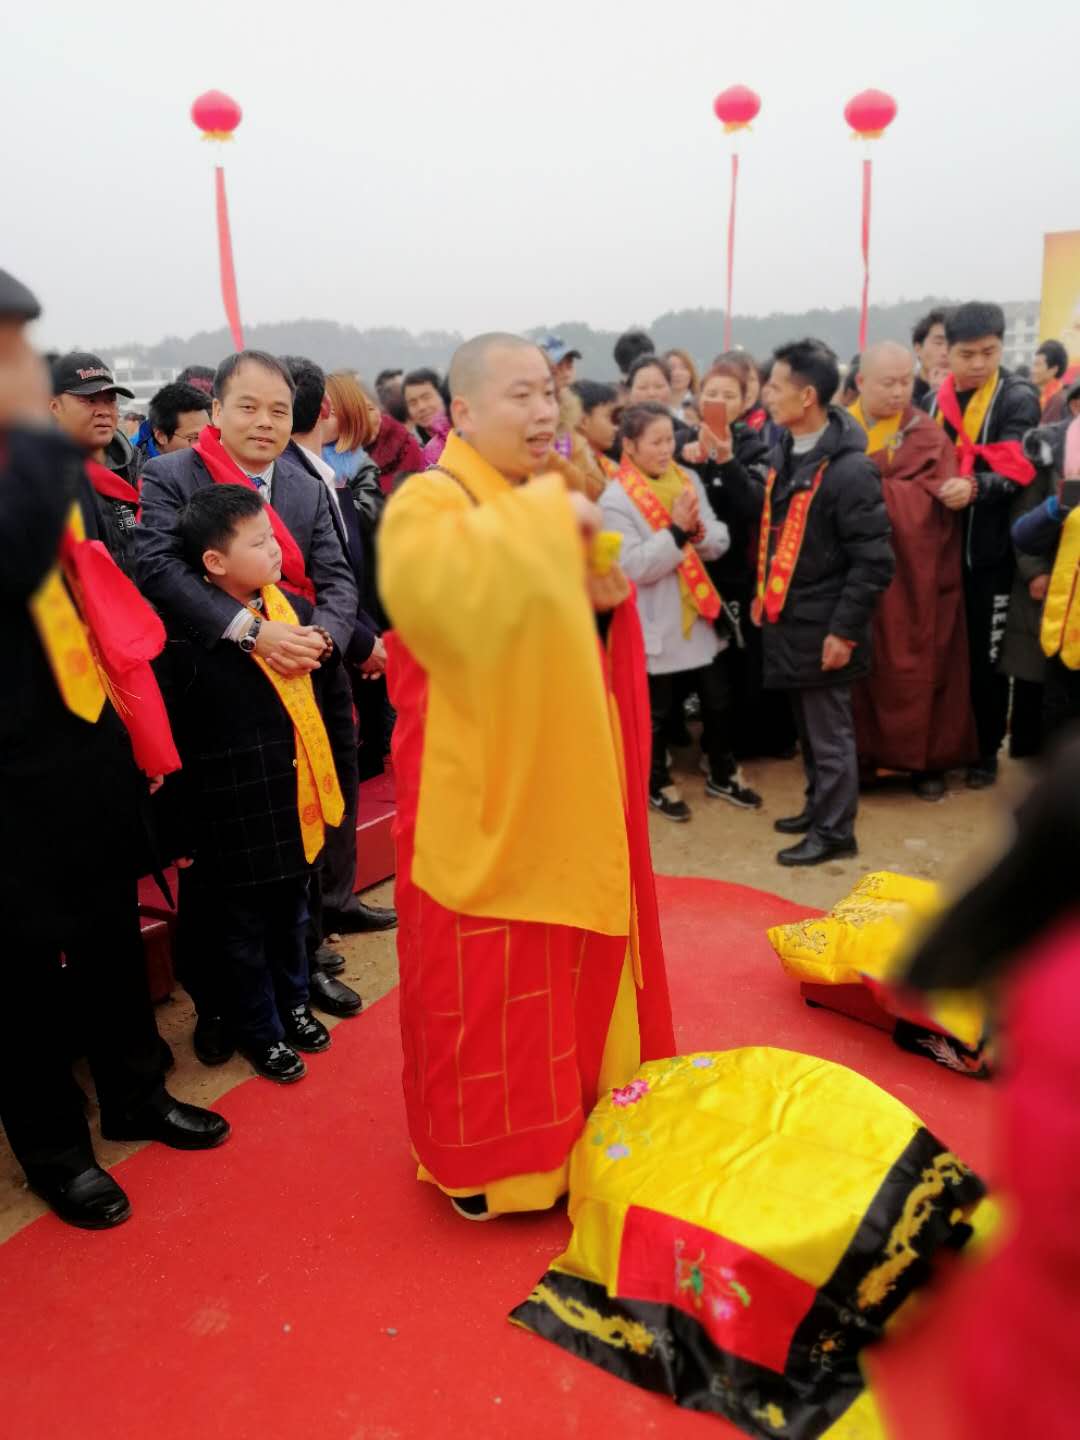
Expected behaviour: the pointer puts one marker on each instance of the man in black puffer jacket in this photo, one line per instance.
(826, 559)
(997, 410)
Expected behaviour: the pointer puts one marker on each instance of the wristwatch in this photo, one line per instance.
(248, 642)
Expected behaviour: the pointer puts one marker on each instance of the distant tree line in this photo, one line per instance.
(336, 346)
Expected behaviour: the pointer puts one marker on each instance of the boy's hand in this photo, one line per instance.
(289, 649)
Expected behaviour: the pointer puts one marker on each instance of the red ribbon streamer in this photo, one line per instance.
(228, 273)
(731, 248)
(864, 318)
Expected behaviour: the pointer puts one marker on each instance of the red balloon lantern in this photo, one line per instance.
(736, 107)
(870, 113)
(216, 115)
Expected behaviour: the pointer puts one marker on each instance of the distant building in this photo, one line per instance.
(1021, 332)
(144, 380)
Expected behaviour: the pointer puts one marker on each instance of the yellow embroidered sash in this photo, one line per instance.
(882, 434)
(773, 584)
(699, 595)
(1061, 614)
(65, 640)
(318, 794)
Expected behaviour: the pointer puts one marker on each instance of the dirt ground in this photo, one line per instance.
(947, 842)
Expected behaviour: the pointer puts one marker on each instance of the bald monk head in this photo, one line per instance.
(503, 402)
(886, 380)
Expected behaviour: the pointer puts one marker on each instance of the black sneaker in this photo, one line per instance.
(304, 1032)
(471, 1207)
(278, 1062)
(670, 803)
(734, 792)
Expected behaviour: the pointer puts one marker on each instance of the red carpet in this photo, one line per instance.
(299, 1283)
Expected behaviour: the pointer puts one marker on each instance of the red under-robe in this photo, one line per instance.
(504, 1023)
(914, 710)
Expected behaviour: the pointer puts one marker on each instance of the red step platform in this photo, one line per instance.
(854, 1001)
(374, 864)
(375, 831)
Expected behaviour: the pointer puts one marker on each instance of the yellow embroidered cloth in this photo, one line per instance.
(65, 640)
(520, 811)
(744, 1223)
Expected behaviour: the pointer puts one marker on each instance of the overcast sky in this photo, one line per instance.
(488, 163)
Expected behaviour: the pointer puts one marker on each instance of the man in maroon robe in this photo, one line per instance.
(913, 712)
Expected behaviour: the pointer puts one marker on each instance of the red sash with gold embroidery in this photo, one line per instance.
(700, 590)
(774, 583)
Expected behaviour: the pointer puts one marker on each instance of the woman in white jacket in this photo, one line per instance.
(668, 530)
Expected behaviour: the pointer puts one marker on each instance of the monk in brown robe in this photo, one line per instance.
(913, 712)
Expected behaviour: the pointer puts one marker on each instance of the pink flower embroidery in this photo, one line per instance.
(630, 1094)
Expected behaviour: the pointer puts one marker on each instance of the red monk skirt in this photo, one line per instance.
(503, 1023)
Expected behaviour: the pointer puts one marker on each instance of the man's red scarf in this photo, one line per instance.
(1005, 457)
(225, 471)
(110, 485)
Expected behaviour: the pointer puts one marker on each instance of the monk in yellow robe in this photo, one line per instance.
(532, 975)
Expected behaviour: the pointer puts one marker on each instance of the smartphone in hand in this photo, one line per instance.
(1069, 498)
(714, 416)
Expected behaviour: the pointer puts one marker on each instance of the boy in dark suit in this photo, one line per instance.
(260, 783)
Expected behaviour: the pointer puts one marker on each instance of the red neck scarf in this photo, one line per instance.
(1006, 457)
(225, 471)
(110, 485)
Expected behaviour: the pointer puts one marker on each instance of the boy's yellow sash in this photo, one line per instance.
(318, 795)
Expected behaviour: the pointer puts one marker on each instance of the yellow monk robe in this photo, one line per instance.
(490, 599)
(519, 1001)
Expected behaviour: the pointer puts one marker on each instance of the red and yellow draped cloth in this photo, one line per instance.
(318, 794)
(99, 636)
(1004, 457)
(774, 582)
(699, 595)
(507, 1025)
(224, 470)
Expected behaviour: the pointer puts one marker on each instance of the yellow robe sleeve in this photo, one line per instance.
(521, 814)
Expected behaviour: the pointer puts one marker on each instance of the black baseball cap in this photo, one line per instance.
(16, 301)
(80, 373)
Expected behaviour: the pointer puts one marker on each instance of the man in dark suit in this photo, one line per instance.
(252, 424)
(72, 840)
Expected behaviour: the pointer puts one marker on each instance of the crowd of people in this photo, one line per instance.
(202, 603)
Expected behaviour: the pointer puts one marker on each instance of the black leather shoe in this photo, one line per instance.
(358, 918)
(91, 1200)
(304, 1032)
(815, 851)
(328, 961)
(332, 997)
(929, 785)
(794, 824)
(213, 1043)
(180, 1126)
(278, 1062)
(982, 775)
